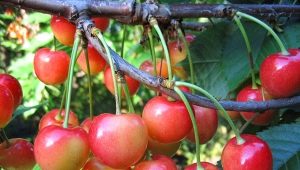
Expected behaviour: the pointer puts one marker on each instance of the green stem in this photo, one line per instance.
(5, 138)
(194, 123)
(70, 76)
(192, 74)
(240, 140)
(151, 43)
(123, 40)
(277, 39)
(62, 103)
(249, 50)
(128, 98)
(154, 23)
(98, 33)
(54, 42)
(248, 122)
(89, 82)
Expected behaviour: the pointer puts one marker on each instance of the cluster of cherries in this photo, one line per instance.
(122, 141)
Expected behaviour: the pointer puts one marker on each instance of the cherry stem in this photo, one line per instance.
(249, 50)
(154, 23)
(127, 96)
(194, 123)
(248, 122)
(240, 140)
(70, 76)
(5, 138)
(54, 43)
(63, 100)
(275, 36)
(123, 40)
(152, 51)
(182, 37)
(89, 81)
(98, 33)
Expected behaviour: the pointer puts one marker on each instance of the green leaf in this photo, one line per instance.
(220, 56)
(22, 109)
(284, 142)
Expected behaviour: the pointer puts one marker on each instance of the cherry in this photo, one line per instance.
(101, 22)
(133, 85)
(6, 105)
(250, 94)
(177, 51)
(86, 124)
(161, 67)
(94, 164)
(159, 162)
(234, 115)
(56, 147)
(278, 74)
(112, 146)
(207, 123)
(254, 153)
(14, 86)
(168, 149)
(51, 67)
(52, 118)
(65, 35)
(205, 165)
(96, 61)
(18, 155)
(167, 121)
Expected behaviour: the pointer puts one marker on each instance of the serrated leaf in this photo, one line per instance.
(221, 56)
(284, 142)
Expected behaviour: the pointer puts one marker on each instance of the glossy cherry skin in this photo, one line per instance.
(95, 164)
(101, 22)
(51, 67)
(118, 141)
(161, 67)
(205, 165)
(86, 124)
(133, 85)
(96, 61)
(65, 35)
(56, 147)
(254, 154)
(250, 94)
(18, 156)
(207, 123)
(177, 51)
(52, 118)
(159, 162)
(168, 149)
(278, 74)
(167, 121)
(6, 105)
(14, 86)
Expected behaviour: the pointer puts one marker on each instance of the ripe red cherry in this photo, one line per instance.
(14, 86)
(18, 156)
(65, 35)
(161, 67)
(167, 121)
(159, 162)
(56, 147)
(86, 124)
(207, 123)
(177, 51)
(278, 74)
(250, 94)
(96, 61)
(168, 149)
(112, 146)
(52, 118)
(95, 164)
(234, 115)
(133, 85)
(101, 23)
(253, 154)
(205, 165)
(6, 106)
(55, 61)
